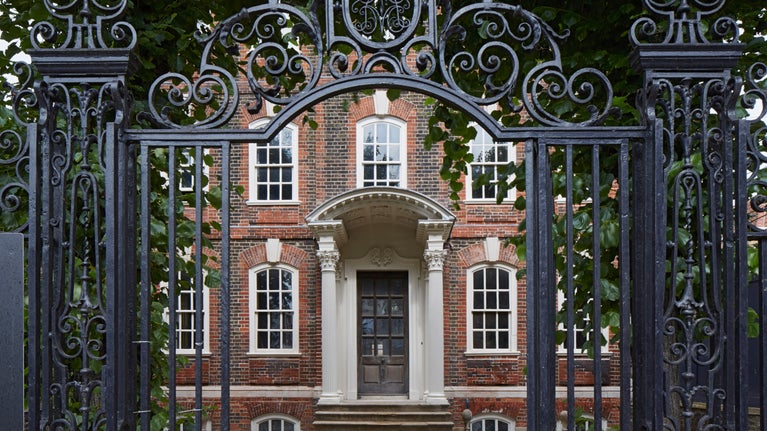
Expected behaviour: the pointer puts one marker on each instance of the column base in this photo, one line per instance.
(435, 399)
(331, 398)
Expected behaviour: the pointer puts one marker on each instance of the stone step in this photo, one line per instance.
(383, 417)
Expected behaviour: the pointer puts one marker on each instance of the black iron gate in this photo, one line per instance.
(678, 271)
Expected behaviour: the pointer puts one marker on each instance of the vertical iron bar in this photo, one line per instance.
(224, 299)
(146, 286)
(649, 278)
(533, 253)
(597, 276)
(198, 286)
(625, 299)
(763, 332)
(33, 280)
(115, 368)
(172, 294)
(732, 318)
(570, 299)
(46, 273)
(741, 270)
(542, 292)
(127, 229)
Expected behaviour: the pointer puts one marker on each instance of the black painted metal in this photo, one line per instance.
(682, 271)
(12, 321)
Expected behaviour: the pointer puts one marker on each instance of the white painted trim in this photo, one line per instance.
(251, 200)
(252, 345)
(347, 322)
(513, 304)
(256, 421)
(512, 193)
(403, 146)
(521, 392)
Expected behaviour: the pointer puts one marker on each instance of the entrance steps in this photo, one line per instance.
(383, 416)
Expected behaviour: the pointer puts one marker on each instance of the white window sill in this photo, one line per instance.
(267, 355)
(191, 353)
(494, 354)
(272, 203)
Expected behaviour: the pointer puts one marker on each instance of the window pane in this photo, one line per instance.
(367, 153)
(287, 340)
(394, 172)
(490, 340)
(394, 134)
(381, 172)
(479, 279)
(261, 158)
(263, 338)
(381, 131)
(478, 320)
(491, 278)
(261, 174)
(479, 301)
(287, 174)
(503, 340)
(478, 340)
(367, 132)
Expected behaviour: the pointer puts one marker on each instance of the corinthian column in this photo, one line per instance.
(435, 330)
(328, 257)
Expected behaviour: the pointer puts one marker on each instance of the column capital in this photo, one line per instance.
(435, 259)
(328, 259)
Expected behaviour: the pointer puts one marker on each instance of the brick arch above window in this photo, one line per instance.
(478, 253)
(295, 410)
(366, 107)
(289, 255)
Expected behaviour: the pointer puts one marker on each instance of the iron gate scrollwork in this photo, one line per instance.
(681, 272)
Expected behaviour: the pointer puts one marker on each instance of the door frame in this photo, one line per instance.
(347, 320)
(385, 275)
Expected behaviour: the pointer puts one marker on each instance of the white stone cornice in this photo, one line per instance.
(427, 229)
(435, 259)
(334, 229)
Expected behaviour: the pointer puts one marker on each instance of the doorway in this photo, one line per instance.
(382, 319)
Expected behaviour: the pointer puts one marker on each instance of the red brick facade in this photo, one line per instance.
(327, 166)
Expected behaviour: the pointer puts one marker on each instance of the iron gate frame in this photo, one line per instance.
(670, 67)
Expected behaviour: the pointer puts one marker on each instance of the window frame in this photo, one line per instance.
(252, 166)
(205, 317)
(496, 417)
(253, 348)
(403, 147)
(512, 158)
(261, 419)
(578, 351)
(513, 311)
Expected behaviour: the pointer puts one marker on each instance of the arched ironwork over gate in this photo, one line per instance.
(680, 278)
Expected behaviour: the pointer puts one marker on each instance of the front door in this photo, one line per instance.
(382, 328)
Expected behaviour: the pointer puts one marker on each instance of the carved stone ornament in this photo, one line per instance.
(328, 259)
(435, 259)
(380, 257)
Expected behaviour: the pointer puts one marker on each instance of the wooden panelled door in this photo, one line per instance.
(383, 336)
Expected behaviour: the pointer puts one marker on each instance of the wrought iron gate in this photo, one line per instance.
(681, 189)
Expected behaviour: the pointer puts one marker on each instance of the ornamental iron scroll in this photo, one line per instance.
(14, 148)
(90, 24)
(755, 98)
(288, 52)
(693, 104)
(683, 22)
(73, 158)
